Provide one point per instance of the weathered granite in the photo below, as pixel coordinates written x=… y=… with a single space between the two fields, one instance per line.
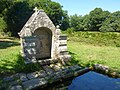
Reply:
x=43 y=77
x=48 y=70
x=17 y=87
x=33 y=83
x=75 y=68
x=23 y=77
x=42 y=73
x=106 y=70
x=47 y=61
x=36 y=74
x=15 y=82
x=7 y=79
x=11 y=78
x=33 y=75
x=40 y=39
x=56 y=66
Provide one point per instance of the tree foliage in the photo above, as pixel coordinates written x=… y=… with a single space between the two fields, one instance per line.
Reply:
x=76 y=22
x=97 y=17
x=15 y=13
x=112 y=23
x=91 y=22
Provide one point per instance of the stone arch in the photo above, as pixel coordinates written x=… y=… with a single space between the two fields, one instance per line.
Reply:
x=43 y=43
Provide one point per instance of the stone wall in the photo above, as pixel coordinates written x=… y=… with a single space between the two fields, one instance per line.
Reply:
x=41 y=40
x=39 y=79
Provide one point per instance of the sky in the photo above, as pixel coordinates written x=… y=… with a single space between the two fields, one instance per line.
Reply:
x=83 y=7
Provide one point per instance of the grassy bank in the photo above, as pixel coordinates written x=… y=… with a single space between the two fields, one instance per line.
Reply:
x=11 y=60
x=88 y=48
x=96 y=38
x=87 y=55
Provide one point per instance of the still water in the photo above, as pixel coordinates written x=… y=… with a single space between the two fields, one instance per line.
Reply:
x=87 y=81
x=94 y=81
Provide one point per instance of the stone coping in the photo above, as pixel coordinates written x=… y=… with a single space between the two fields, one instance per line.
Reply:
x=23 y=81
x=106 y=70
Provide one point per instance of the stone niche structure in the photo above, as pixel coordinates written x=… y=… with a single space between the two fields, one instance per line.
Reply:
x=41 y=41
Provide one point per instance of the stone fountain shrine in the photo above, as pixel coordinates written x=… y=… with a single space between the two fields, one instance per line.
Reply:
x=41 y=41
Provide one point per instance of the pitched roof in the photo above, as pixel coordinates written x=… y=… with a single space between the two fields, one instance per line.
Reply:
x=38 y=19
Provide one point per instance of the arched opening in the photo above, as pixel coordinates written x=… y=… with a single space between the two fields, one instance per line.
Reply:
x=43 y=43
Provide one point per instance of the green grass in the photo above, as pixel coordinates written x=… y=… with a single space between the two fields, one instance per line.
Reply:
x=96 y=38
x=11 y=60
x=88 y=48
x=9 y=51
x=86 y=53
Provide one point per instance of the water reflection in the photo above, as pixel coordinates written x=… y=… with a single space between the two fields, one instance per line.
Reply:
x=94 y=81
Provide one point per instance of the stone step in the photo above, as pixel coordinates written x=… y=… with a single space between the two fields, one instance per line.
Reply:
x=65 y=57
x=64 y=53
x=34 y=83
x=47 y=61
x=36 y=74
x=63 y=42
x=40 y=79
x=62 y=48
x=62 y=37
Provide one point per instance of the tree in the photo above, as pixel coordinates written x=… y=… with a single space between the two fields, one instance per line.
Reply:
x=17 y=16
x=2 y=25
x=20 y=10
x=96 y=18
x=112 y=23
x=4 y=6
x=86 y=23
x=65 y=21
x=53 y=9
x=76 y=22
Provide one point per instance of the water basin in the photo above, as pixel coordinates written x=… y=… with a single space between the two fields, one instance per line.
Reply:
x=94 y=81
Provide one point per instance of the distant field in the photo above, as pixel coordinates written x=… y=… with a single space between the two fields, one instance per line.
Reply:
x=87 y=55
x=96 y=38
x=88 y=48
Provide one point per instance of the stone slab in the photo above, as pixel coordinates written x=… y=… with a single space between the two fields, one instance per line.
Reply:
x=63 y=42
x=48 y=70
x=11 y=78
x=47 y=61
x=62 y=48
x=76 y=67
x=17 y=87
x=7 y=79
x=62 y=37
x=33 y=83
x=23 y=77
x=33 y=75
x=42 y=73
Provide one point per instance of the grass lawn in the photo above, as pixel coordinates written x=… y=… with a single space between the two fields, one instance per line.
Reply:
x=88 y=48
x=88 y=54
x=11 y=60
x=9 y=54
x=84 y=52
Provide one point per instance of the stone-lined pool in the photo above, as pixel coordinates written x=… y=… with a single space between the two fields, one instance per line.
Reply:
x=94 y=81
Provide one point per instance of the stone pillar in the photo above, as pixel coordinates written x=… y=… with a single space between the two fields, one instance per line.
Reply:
x=58 y=32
